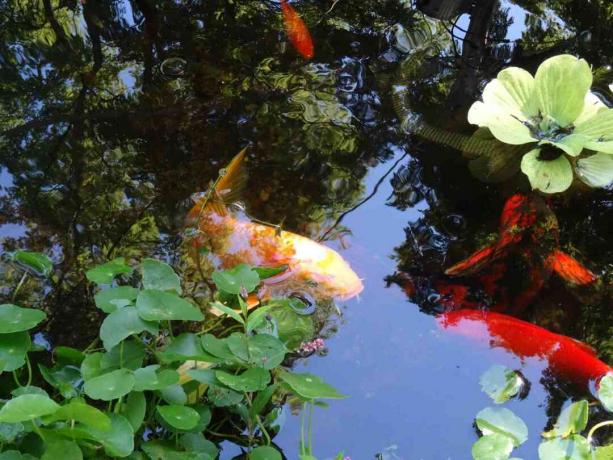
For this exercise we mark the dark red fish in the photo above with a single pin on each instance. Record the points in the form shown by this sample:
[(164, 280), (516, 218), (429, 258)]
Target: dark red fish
[(297, 31), (529, 232), (566, 357)]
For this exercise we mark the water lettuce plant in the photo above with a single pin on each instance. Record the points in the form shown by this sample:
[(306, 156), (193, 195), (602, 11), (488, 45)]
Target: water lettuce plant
[(164, 379), (567, 126)]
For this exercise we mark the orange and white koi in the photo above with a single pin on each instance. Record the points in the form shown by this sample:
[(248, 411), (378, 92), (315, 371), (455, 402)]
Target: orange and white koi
[(297, 31), (233, 240)]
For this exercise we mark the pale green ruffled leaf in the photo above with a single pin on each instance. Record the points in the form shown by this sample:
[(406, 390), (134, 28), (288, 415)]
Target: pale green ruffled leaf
[(599, 131), (504, 126), (596, 170), (571, 145), (513, 91), (591, 106), (551, 176), (561, 84)]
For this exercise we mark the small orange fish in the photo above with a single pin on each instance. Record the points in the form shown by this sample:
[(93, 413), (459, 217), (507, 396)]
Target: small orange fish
[(231, 240), (297, 31)]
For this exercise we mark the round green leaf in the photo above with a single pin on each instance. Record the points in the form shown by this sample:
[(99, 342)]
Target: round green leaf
[(134, 409), (112, 385), (123, 323), (64, 449), (572, 420), (35, 262), (308, 386), (265, 453), (262, 350), (512, 91), (153, 305), (221, 347), (605, 391), (109, 300), (15, 455), (596, 170), (119, 440), (186, 346), (17, 319), (151, 378), (500, 383), (174, 394), (27, 407), (13, 349), (106, 273), (503, 125), (179, 417), (92, 366), (561, 84), (128, 354), (10, 431), (492, 447), (65, 378), (549, 176), (500, 420), (79, 411), (160, 276), (253, 379), (293, 328), (604, 452), (223, 397), (233, 280), (573, 448)]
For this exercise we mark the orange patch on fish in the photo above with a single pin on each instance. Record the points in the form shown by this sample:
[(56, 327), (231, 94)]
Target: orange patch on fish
[(297, 31)]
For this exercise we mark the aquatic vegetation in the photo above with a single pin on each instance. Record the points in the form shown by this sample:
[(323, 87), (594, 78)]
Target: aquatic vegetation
[(572, 128), (502, 431), (311, 266), (162, 392), (565, 357)]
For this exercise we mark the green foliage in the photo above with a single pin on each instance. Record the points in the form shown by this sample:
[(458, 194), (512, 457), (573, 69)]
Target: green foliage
[(567, 126), (605, 392), (147, 377), (34, 262), (501, 383)]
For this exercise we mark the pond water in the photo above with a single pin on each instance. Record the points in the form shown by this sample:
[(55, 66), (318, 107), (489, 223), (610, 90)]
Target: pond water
[(114, 113)]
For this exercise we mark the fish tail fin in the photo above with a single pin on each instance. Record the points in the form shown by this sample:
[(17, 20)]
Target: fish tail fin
[(569, 268)]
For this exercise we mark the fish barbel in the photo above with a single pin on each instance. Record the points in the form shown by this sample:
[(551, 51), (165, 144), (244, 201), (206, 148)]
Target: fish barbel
[(566, 357), (232, 241)]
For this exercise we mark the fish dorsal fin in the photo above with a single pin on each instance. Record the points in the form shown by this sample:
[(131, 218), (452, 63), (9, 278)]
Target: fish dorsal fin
[(225, 190), (232, 179)]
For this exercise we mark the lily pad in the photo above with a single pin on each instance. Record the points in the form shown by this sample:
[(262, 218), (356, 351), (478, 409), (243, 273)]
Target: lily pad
[(112, 385), (160, 276), (119, 440), (500, 420), (308, 386), (234, 280), (179, 417), (109, 300), (605, 391), (572, 420), (106, 273), (17, 319), (253, 379), (154, 305), (13, 350), (573, 448), (123, 323), (501, 383), (492, 447), (265, 453), (27, 407)]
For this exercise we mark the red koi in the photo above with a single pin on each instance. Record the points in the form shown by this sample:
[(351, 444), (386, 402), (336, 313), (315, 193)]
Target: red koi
[(529, 230), (566, 357), (297, 31)]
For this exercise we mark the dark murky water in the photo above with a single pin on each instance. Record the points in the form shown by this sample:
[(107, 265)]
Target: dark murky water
[(111, 117)]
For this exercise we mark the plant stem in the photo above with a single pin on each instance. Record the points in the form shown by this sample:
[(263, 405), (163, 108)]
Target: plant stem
[(596, 428), (38, 432), (29, 370), (16, 379), (311, 406), (21, 281)]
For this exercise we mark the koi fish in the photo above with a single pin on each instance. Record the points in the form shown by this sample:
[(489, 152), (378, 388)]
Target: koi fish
[(233, 240), (566, 357), (530, 233), (297, 31)]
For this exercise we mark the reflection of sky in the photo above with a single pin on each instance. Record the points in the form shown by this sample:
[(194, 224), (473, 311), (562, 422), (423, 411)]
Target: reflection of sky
[(8, 230), (408, 383)]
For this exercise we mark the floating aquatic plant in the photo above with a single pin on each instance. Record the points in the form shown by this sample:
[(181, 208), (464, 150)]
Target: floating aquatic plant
[(570, 127)]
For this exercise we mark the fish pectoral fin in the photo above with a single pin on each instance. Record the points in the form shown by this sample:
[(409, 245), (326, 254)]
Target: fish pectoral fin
[(482, 258), (569, 268)]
